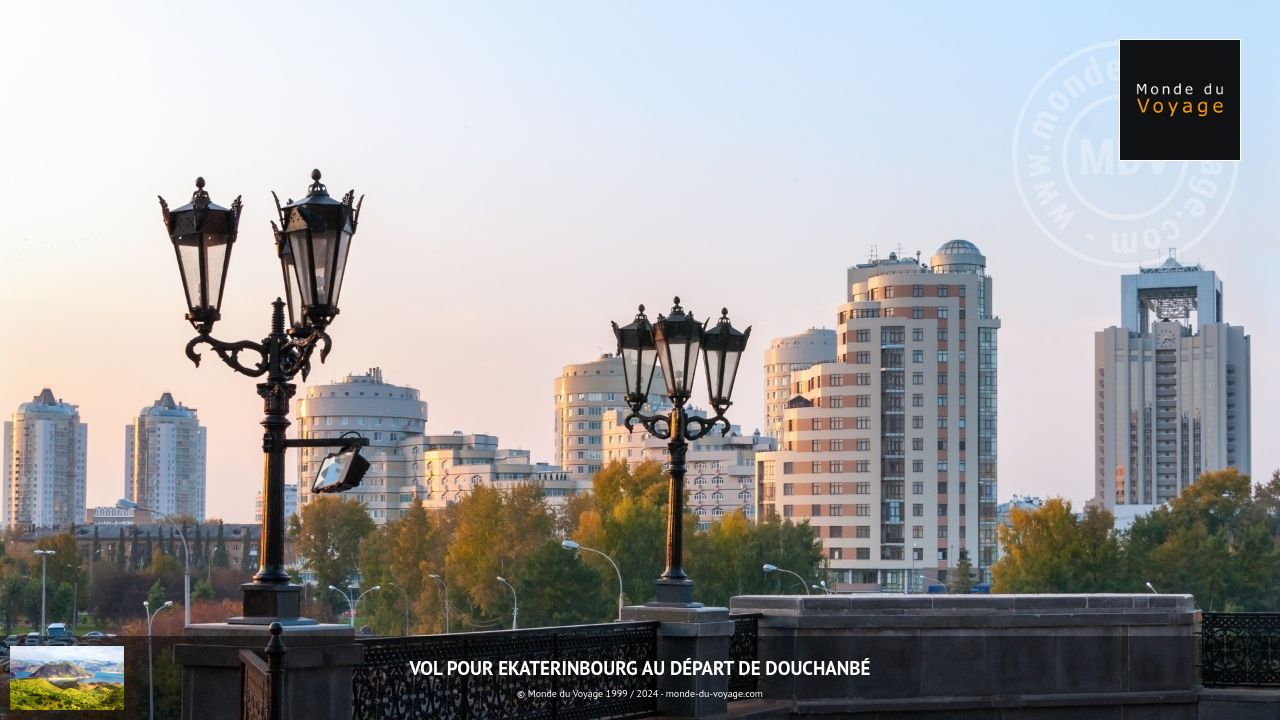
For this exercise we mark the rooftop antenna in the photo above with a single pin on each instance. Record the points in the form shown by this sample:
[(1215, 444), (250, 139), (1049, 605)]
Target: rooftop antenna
[(874, 252)]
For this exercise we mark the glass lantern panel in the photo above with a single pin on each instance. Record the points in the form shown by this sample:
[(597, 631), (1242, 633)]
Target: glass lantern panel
[(714, 377), (298, 244), (731, 360), (189, 259), (344, 247), (323, 246), (217, 251)]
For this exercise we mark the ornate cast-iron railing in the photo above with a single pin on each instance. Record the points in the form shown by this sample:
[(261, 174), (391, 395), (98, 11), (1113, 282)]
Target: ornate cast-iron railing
[(385, 688), (743, 646), (1240, 649), (262, 680)]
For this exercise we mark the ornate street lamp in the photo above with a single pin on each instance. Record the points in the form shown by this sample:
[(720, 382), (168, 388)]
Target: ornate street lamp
[(676, 341), (312, 247)]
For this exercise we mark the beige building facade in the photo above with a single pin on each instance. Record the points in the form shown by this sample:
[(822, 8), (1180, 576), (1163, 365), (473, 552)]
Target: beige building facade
[(165, 454), (890, 450)]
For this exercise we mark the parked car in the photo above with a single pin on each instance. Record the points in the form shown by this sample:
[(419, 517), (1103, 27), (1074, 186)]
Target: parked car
[(12, 640), (57, 630), (31, 638), (93, 634)]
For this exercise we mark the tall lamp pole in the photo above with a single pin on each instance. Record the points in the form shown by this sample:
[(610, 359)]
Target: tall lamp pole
[(127, 504), (151, 685), (444, 589), (312, 243), (353, 604), (676, 341), (571, 545), (44, 562), (515, 603), (405, 595)]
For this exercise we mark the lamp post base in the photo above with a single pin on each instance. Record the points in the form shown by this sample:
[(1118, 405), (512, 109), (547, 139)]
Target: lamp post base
[(267, 603), (675, 593)]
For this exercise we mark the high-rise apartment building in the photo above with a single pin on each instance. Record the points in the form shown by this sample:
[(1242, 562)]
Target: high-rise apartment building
[(890, 450), (721, 469), (388, 415), (45, 446), (1172, 390), (785, 356), (164, 459), (584, 393)]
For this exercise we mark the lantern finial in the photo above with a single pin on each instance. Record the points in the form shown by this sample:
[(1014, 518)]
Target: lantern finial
[(317, 187), (200, 198)]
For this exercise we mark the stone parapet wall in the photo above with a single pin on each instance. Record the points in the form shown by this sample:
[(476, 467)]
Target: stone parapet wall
[(972, 656)]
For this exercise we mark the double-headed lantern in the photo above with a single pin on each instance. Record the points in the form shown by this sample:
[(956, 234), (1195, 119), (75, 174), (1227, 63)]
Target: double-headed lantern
[(202, 235), (313, 241), (675, 341)]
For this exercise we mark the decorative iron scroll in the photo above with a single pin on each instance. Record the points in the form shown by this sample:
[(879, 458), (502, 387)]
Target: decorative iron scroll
[(743, 646), (386, 689), (1240, 649)]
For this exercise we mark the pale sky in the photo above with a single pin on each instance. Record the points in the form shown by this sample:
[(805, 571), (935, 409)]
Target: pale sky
[(534, 170)]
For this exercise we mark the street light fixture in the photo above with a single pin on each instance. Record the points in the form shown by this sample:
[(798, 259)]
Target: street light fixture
[(571, 545), (1152, 588), (312, 247), (151, 685), (769, 567), (444, 589), (515, 603), (44, 562), (128, 504), (354, 604), (676, 341)]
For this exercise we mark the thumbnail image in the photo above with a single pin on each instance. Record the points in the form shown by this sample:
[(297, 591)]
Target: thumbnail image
[(66, 678)]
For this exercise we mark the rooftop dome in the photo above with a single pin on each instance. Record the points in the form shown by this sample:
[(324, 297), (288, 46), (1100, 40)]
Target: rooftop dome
[(958, 247), (166, 406)]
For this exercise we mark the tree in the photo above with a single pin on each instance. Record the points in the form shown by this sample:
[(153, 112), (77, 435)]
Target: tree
[(120, 559), (557, 588), (155, 596), (220, 558), (962, 575), (202, 590), (96, 552), (327, 534)]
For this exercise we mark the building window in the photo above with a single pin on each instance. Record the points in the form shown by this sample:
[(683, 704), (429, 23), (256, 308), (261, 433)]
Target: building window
[(862, 466), (835, 510), (862, 444), (917, 291), (917, 488), (942, 509), (862, 488), (917, 334), (862, 510), (862, 336), (917, 510), (917, 466), (864, 553), (862, 401), (917, 356), (862, 531), (835, 488), (917, 313), (835, 401), (917, 378), (917, 532)]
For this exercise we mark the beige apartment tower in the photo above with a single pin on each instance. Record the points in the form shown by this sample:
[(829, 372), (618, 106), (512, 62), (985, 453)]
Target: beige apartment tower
[(164, 459), (889, 451), (785, 356), (45, 447), (584, 393)]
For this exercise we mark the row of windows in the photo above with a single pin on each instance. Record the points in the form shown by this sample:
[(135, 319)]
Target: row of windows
[(817, 467)]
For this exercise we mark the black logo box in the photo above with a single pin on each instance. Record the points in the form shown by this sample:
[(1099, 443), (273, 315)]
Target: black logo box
[(1187, 68)]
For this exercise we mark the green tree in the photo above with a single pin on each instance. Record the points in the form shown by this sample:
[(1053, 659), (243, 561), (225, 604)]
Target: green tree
[(961, 580), (202, 590), (327, 533), (156, 595), (96, 553), (557, 588), (220, 558), (120, 558)]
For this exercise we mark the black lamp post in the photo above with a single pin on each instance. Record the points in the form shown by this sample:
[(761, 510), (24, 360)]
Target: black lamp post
[(676, 341), (313, 248)]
